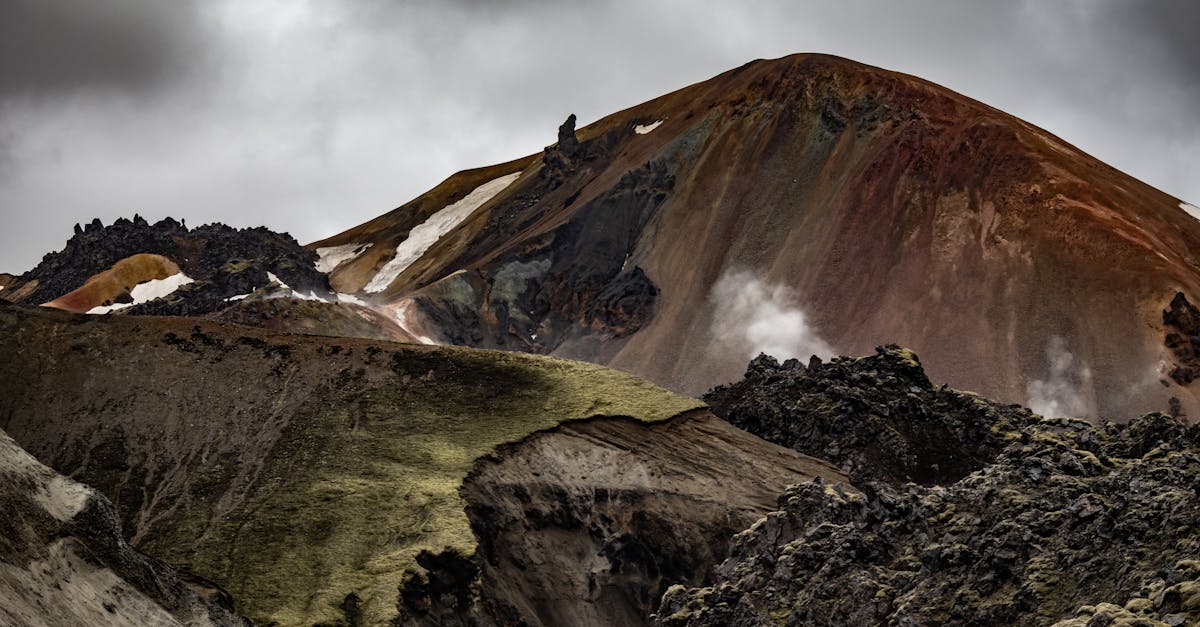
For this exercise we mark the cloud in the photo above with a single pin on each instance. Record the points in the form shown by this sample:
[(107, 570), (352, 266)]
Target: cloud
[(52, 46), (1064, 391), (311, 117), (751, 317)]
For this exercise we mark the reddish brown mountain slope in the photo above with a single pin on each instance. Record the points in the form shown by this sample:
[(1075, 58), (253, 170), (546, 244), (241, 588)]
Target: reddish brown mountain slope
[(893, 209)]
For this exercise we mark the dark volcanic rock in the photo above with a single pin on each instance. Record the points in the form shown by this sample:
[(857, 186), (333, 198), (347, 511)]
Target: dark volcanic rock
[(223, 261), (570, 282), (560, 160), (1058, 520), (1182, 322), (878, 417), (568, 144)]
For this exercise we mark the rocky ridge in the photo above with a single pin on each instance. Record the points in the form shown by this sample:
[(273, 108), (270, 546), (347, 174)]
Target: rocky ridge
[(1040, 521), (223, 261)]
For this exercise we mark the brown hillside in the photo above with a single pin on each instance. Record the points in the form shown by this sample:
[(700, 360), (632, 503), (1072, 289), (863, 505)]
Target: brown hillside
[(889, 208)]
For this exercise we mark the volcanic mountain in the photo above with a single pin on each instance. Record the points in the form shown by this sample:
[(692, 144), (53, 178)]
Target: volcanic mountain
[(807, 204)]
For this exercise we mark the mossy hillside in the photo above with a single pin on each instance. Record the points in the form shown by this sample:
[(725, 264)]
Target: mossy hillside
[(367, 475)]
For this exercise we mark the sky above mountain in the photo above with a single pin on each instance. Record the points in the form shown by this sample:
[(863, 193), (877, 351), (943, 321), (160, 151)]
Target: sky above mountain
[(311, 117)]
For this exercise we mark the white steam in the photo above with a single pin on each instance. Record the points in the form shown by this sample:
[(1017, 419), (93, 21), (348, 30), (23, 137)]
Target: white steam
[(752, 317), (1062, 393)]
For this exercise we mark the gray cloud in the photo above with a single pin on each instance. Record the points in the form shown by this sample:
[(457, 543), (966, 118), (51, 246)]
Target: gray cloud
[(311, 117), (48, 47)]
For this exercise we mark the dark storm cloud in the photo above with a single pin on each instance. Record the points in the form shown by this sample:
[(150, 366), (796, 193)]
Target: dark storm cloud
[(312, 116), (1171, 28), (50, 46)]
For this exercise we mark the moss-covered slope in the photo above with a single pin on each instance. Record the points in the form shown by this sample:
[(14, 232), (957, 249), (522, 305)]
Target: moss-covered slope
[(291, 470)]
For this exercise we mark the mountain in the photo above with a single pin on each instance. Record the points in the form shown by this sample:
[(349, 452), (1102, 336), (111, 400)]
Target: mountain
[(63, 560), (347, 481), (801, 205)]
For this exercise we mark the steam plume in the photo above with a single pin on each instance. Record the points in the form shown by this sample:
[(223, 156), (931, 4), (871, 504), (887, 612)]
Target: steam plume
[(752, 317), (1062, 393)]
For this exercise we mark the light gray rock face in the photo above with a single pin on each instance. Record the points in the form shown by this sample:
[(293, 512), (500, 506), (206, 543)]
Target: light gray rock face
[(63, 560)]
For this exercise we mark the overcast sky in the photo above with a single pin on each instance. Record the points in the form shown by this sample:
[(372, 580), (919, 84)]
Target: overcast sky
[(311, 117)]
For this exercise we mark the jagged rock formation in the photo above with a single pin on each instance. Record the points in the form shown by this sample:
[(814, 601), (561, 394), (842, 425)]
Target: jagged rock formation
[(1067, 521), (887, 208), (223, 261), (307, 475), (878, 418), (558, 161), (63, 560)]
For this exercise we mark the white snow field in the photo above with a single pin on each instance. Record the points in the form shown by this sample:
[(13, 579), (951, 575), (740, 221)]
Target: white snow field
[(427, 233), (146, 292), (333, 256), (1192, 210)]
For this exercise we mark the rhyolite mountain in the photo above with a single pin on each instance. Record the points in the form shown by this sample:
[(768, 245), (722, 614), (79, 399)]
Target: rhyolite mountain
[(891, 209)]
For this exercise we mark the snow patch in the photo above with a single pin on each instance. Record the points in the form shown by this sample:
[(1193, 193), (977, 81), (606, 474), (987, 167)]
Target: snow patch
[(147, 291), (641, 129), (352, 299), (238, 297), (333, 256), (1192, 210), (309, 295), (402, 310), (426, 234)]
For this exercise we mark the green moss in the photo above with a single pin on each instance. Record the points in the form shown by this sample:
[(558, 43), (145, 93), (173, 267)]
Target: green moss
[(367, 475)]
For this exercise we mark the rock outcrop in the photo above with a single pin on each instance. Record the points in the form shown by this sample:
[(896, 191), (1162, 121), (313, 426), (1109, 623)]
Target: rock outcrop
[(588, 524), (1182, 322), (559, 161), (878, 418), (1040, 521)]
